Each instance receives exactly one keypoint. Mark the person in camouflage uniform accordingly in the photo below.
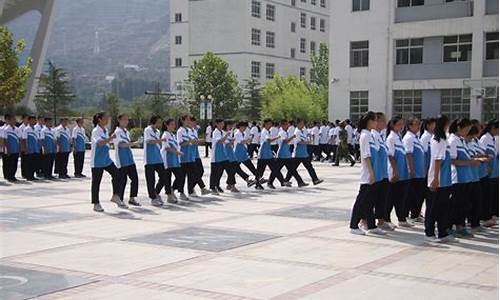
(343, 148)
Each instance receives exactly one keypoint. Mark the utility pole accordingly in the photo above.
(158, 94)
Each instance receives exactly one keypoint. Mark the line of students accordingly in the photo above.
(175, 152)
(42, 148)
(453, 166)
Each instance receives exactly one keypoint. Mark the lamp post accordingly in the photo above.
(205, 101)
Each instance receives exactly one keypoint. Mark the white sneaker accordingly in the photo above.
(214, 192)
(193, 195)
(392, 225)
(205, 191)
(385, 226)
(363, 226)
(358, 231)
(98, 208)
(430, 239)
(377, 231)
(420, 219)
(157, 202)
(405, 224)
(234, 189)
(183, 196)
(448, 239)
(115, 199)
(171, 199)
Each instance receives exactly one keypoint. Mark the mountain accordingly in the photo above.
(97, 40)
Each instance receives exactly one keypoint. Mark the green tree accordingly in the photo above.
(55, 92)
(137, 111)
(252, 99)
(13, 76)
(290, 98)
(113, 109)
(211, 76)
(319, 76)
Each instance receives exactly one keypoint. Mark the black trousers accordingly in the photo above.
(380, 190)
(397, 196)
(97, 177)
(167, 183)
(48, 164)
(437, 208)
(78, 158)
(417, 189)
(494, 195)
(325, 148)
(208, 146)
(363, 207)
(31, 165)
(316, 149)
(475, 204)
(306, 162)
(231, 167)
(459, 204)
(24, 164)
(275, 148)
(199, 171)
(131, 173)
(486, 206)
(334, 151)
(248, 163)
(189, 171)
(291, 168)
(240, 171)
(252, 148)
(10, 165)
(61, 167)
(216, 170)
(151, 170)
(271, 163)
(39, 164)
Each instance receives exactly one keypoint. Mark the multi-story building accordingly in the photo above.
(414, 57)
(258, 38)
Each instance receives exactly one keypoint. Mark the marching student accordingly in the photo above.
(153, 162)
(30, 140)
(489, 141)
(232, 163)
(350, 135)
(22, 141)
(100, 161)
(241, 153)
(49, 148)
(284, 156)
(291, 131)
(218, 156)
(39, 157)
(2, 140)
(208, 139)
(426, 133)
(12, 147)
(300, 154)
(315, 136)
(273, 132)
(63, 138)
(78, 136)
(415, 159)
(170, 153)
(439, 182)
(365, 201)
(125, 160)
(398, 173)
(187, 160)
(266, 157)
(253, 147)
(343, 151)
(198, 164)
(323, 140)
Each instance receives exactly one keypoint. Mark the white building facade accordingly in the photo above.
(414, 57)
(258, 38)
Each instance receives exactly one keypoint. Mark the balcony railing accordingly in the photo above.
(447, 10)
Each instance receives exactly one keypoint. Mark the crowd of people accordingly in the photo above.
(451, 165)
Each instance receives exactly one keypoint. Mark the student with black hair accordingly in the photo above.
(426, 133)
(253, 147)
(365, 201)
(39, 157)
(232, 164)
(63, 138)
(12, 148)
(22, 144)
(171, 153)
(197, 166)
(78, 136)
(100, 161)
(489, 141)
(439, 181)
(125, 160)
(266, 157)
(218, 156)
(30, 140)
(241, 140)
(208, 138)
(187, 160)
(284, 156)
(153, 162)
(49, 148)
(397, 196)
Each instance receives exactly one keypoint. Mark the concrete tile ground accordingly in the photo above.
(282, 244)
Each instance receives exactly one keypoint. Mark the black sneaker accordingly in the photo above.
(286, 184)
(251, 182)
(219, 189)
(263, 181)
(303, 184)
(353, 163)
(318, 181)
(271, 186)
(133, 202)
(259, 187)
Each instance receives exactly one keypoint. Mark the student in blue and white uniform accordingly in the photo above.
(398, 173)
(30, 140)
(208, 139)
(232, 163)
(253, 147)
(284, 156)
(365, 201)
(100, 161)
(22, 141)
(198, 164)
(125, 160)
(218, 156)
(323, 140)
(266, 156)
(39, 157)
(63, 138)
(12, 148)
(438, 203)
(489, 141)
(78, 136)
(187, 160)
(153, 162)
(426, 133)
(49, 145)
(170, 153)
(241, 140)
(291, 131)
(273, 132)
(415, 158)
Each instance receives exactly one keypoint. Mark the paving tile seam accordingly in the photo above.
(287, 262)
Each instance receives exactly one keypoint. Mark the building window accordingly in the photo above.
(322, 3)
(408, 3)
(491, 45)
(255, 37)
(358, 105)
(302, 73)
(313, 23)
(178, 17)
(313, 2)
(255, 70)
(293, 27)
(407, 103)
(293, 2)
(270, 12)
(255, 9)
(322, 25)
(490, 104)
(178, 39)
(409, 51)
(302, 45)
(359, 54)
(270, 39)
(303, 20)
(455, 103)
(313, 48)
(360, 5)
(269, 71)
(292, 52)
(178, 62)
(457, 48)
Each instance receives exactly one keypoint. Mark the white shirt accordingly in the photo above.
(438, 152)
(454, 142)
(349, 130)
(216, 137)
(254, 131)
(122, 137)
(239, 137)
(77, 129)
(409, 141)
(208, 134)
(365, 139)
(264, 136)
(150, 134)
(393, 139)
(323, 134)
(315, 135)
(425, 140)
(291, 130)
(273, 132)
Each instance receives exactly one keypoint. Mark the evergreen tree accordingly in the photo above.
(252, 99)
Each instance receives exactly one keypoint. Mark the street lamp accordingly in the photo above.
(206, 101)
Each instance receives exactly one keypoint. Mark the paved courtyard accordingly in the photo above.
(283, 244)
